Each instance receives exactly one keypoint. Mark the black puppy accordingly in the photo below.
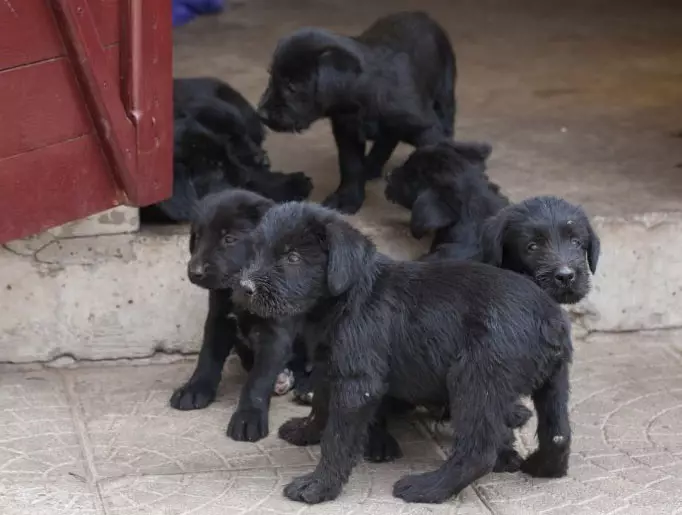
(394, 82)
(467, 334)
(547, 239)
(218, 141)
(264, 346)
(449, 193)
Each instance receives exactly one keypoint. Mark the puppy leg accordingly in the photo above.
(477, 416)
(220, 334)
(272, 350)
(352, 405)
(303, 431)
(381, 152)
(350, 194)
(381, 446)
(554, 428)
(508, 459)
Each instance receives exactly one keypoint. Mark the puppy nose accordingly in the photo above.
(564, 276)
(248, 286)
(197, 270)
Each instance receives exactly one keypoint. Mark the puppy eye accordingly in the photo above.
(532, 246)
(293, 257)
(576, 242)
(229, 239)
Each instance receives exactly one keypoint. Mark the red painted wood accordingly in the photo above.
(146, 64)
(27, 33)
(54, 185)
(107, 14)
(101, 91)
(35, 115)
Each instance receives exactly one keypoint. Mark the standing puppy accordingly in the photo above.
(265, 347)
(394, 82)
(547, 239)
(446, 188)
(414, 331)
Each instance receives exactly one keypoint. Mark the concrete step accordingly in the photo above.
(127, 296)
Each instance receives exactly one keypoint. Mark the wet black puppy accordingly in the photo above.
(547, 239)
(416, 332)
(264, 346)
(218, 141)
(394, 82)
(446, 188)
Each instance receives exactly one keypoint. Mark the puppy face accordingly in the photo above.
(548, 239)
(221, 223)
(307, 69)
(300, 254)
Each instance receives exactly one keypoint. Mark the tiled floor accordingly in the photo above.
(103, 440)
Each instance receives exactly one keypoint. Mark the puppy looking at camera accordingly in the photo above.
(467, 334)
(446, 188)
(265, 347)
(393, 83)
(547, 239)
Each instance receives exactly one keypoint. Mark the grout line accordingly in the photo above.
(83, 439)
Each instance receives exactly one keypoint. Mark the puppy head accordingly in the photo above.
(547, 239)
(220, 224)
(435, 180)
(301, 254)
(308, 70)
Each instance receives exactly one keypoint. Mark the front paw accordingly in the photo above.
(382, 447)
(193, 395)
(426, 488)
(300, 431)
(542, 464)
(346, 201)
(311, 489)
(248, 425)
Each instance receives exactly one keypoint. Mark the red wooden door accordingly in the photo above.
(85, 109)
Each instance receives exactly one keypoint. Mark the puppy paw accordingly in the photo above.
(284, 383)
(382, 447)
(345, 201)
(425, 488)
(300, 431)
(508, 460)
(191, 396)
(540, 464)
(312, 489)
(303, 397)
(248, 425)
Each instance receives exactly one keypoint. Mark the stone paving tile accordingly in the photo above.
(58, 496)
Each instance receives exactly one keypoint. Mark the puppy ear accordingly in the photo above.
(429, 213)
(349, 255)
(340, 60)
(593, 247)
(492, 239)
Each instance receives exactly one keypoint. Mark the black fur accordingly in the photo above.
(218, 139)
(264, 346)
(547, 239)
(448, 191)
(429, 333)
(393, 83)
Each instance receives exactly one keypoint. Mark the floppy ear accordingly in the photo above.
(349, 254)
(492, 239)
(258, 209)
(593, 248)
(339, 59)
(429, 213)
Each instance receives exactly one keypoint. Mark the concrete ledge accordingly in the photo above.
(126, 295)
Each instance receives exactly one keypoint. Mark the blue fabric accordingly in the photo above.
(185, 11)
